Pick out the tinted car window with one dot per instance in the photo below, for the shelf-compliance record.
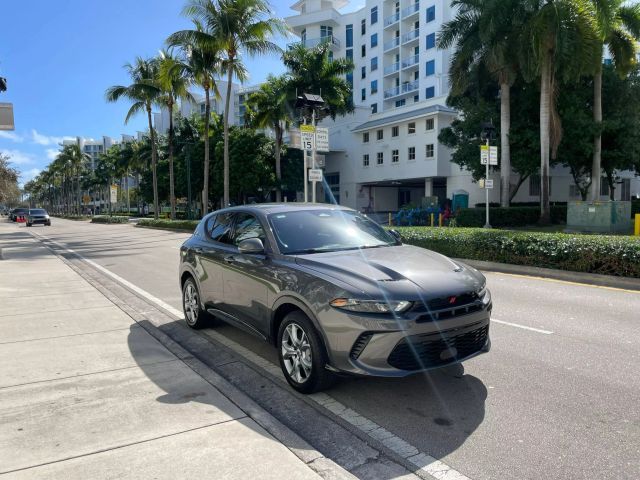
(209, 224)
(309, 231)
(247, 226)
(221, 231)
(37, 211)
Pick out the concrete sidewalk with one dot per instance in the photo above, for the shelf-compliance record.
(85, 392)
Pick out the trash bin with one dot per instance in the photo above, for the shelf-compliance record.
(460, 199)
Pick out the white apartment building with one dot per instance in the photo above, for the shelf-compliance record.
(387, 153)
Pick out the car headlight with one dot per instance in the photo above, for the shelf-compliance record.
(371, 306)
(484, 295)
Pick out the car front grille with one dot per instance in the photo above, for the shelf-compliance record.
(425, 351)
(448, 307)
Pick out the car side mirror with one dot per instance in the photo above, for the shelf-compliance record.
(251, 245)
(396, 235)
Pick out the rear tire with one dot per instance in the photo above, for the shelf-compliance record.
(29, 224)
(302, 354)
(194, 313)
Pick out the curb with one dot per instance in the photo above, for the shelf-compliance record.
(167, 229)
(626, 283)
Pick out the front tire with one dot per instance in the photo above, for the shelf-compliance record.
(302, 355)
(195, 316)
(29, 224)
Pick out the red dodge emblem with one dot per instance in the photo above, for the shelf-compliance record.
(452, 300)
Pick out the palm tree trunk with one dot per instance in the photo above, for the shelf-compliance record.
(226, 137)
(597, 141)
(545, 118)
(172, 194)
(207, 117)
(278, 131)
(505, 125)
(154, 164)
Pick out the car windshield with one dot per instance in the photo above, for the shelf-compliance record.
(313, 231)
(37, 211)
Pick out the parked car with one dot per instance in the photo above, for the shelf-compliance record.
(333, 291)
(38, 216)
(19, 214)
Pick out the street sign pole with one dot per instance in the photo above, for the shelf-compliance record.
(313, 155)
(486, 177)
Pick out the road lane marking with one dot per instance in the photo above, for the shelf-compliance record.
(524, 327)
(421, 461)
(567, 282)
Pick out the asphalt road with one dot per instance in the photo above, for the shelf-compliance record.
(559, 399)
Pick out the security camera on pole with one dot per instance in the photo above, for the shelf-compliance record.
(488, 156)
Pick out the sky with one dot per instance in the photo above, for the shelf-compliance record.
(60, 57)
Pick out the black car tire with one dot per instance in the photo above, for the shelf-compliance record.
(319, 377)
(29, 224)
(48, 224)
(196, 317)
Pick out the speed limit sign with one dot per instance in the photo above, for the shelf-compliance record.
(308, 137)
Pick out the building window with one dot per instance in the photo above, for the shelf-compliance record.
(374, 15)
(400, 103)
(330, 56)
(411, 128)
(429, 150)
(534, 186)
(430, 67)
(374, 108)
(363, 51)
(380, 134)
(430, 92)
(374, 40)
(431, 41)
(363, 27)
(349, 35)
(363, 72)
(374, 64)
(365, 160)
(416, 98)
(365, 137)
(380, 158)
(430, 124)
(431, 14)
(363, 94)
(374, 87)
(395, 131)
(326, 31)
(395, 156)
(303, 36)
(411, 153)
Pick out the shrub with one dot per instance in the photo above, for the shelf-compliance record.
(73, 217)
(603, 254)
(508, 217)
(182, 225)
(107, 219)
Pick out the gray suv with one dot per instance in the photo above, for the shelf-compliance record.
(333, 291)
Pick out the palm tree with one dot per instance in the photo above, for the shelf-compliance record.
(558, 43)
(143, 92)
(487, 32)
(618, 29)
(202, 65)
(233, 27)
(269, 107)
(173, 82)
(312, 71)
(78, 164)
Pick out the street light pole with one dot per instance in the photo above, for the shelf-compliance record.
(189, 180)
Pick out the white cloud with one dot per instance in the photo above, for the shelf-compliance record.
(52, 153)
(14, 137)
(19, 158)
(29, 175)
(45, 140)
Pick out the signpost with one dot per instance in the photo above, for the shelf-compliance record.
(488, 183)
(315, 175)
(488, 156)
(322, 139)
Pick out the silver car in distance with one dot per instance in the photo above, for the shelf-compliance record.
(333, 291)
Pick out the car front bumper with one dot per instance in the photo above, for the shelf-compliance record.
(39, 220)
(403, 346)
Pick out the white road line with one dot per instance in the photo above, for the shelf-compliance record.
(524, 327)
(420, 460)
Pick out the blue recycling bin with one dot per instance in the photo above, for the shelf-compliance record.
(459, 200)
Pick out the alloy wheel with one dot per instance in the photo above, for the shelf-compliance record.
(191, 304)
(296, 353)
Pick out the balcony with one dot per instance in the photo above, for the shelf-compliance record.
(412, 61)
(314, 42)
(391, 44)
(401, 89)
(411, 36)
(410, 11)
(391, 69)
(392, 19)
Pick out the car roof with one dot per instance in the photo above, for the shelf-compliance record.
(268, 208)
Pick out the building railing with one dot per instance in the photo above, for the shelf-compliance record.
(314, 42)
(390, 20)
(411, 61)
(402, 89)
(412, 35)
(393, 68)
(391, 44)
(411, 10)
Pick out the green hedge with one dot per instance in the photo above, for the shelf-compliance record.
(508, 217)
(608, 255)
(73, 217)
(182, 225)
(107, 219)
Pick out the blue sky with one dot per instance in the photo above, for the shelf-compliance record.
(59, 57)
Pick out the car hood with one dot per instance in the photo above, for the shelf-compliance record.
(400, 271)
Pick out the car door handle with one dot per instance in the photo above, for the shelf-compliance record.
(197, 250)
(229, 259)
